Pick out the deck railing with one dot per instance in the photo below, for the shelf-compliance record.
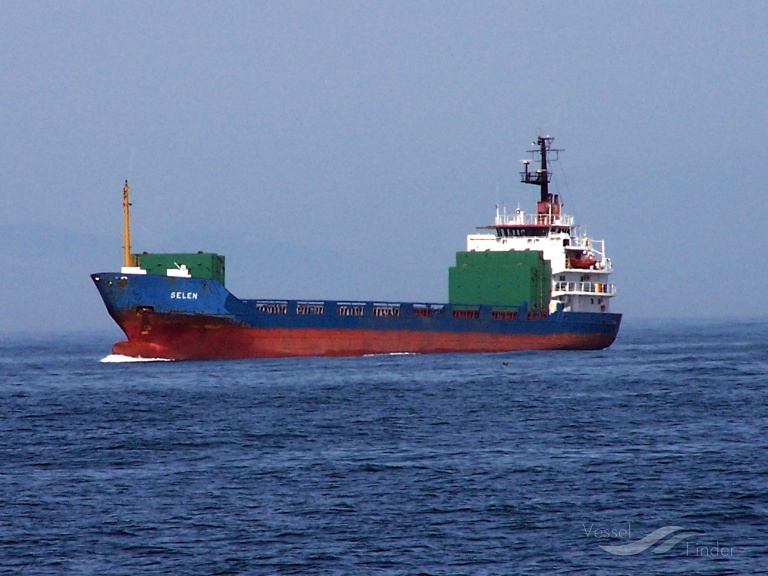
(392, 310)
(521, 218)
(585, 288)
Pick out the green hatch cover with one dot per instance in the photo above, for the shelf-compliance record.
(500, 279)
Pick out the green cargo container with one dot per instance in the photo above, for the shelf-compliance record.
(501, 279)
(200, 265)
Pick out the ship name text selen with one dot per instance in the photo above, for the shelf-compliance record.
(183, 295)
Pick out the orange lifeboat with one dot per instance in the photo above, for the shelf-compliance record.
(584, 263)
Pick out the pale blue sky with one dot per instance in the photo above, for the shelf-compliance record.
(346, 149)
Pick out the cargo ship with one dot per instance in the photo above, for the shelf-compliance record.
(526, 282)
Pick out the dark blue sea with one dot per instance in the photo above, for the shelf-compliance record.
(649, 457)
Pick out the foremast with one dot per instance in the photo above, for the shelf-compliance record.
(127, 260)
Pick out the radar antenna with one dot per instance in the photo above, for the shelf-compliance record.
(542, 176)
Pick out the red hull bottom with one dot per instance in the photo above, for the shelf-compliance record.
(218, 341)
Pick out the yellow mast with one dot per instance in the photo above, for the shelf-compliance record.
(128, 261)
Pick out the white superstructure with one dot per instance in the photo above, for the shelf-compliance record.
(580, 268)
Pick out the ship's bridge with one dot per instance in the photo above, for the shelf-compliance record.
(521, 224)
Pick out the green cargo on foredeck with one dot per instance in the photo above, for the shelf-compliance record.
(204, 265)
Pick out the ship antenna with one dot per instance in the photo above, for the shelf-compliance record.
(542, 176)
(543, 145)
(127, 225)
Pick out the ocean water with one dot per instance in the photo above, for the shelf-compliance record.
(649, 457)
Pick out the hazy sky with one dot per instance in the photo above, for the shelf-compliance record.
(346, 149)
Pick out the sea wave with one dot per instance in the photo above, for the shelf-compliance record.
(119, 358)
